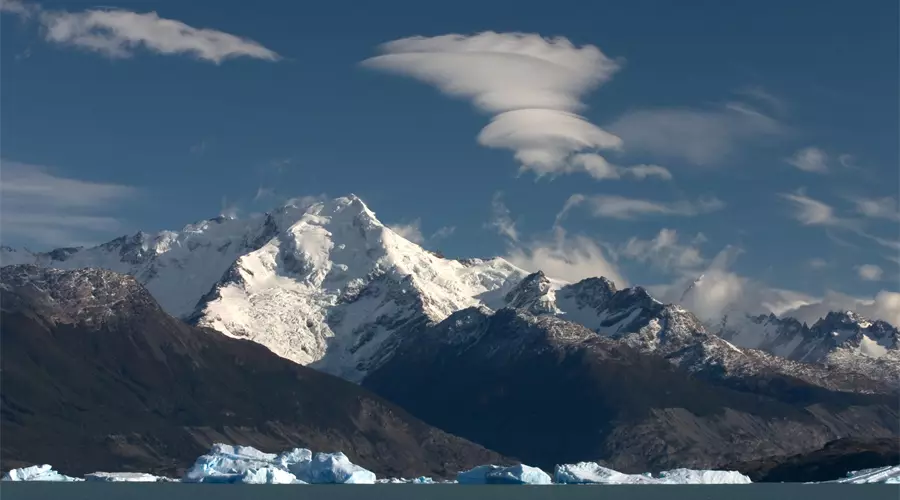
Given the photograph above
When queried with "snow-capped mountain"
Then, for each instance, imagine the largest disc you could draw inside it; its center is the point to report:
(337, 289)
(633, 317)
(328, 285)
(843, 340)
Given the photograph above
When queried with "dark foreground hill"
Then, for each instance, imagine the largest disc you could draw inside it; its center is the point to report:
(95, 376)
(831, 462)
(549, 391)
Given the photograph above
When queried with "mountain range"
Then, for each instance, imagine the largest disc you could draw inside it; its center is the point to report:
(526, 365)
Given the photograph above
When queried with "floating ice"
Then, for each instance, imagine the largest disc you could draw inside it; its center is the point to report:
(244, 464)
(888, 475)
(37, 473)
(418, 480)
(592, 473)
(478, 475)
(690, 476)
(227, 464)
(123, 477)
(494, 474)
(268, 475)
(329, 468)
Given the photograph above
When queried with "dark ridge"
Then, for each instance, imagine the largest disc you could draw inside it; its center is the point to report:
(833, 461)
(97, 377)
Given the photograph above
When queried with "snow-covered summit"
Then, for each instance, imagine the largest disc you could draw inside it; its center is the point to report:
(329, 285)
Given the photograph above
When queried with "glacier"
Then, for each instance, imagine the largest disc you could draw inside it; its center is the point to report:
(246, 465)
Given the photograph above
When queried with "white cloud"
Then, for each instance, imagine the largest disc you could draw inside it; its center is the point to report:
(818, 263)
(411, 231)
(532, 86)
(723, 292)
(116, 33)
(599, 168)
(763, 96)
(564, 257)
(884, 306)
(42, 208)
(25, 10)
(306, 201)
(869, 272)
(700, 137)
(811, 159)
(501, 220)
(664, 252)
(880, 208)
(811, 212)
(620, 207)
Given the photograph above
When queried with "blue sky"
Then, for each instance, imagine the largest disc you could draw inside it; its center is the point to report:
(752, 142)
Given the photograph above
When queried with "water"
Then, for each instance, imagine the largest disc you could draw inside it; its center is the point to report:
(176, 491)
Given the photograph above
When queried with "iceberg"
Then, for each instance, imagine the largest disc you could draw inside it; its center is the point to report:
(418, 480)
(495, 474)
(887, 475)
(296, 461)
(336, 468)
(123, 477)
(37, 473)
(227, 464)
(478, 475)
(690, 476)
(593, 473)
(244, 464)
(268, 475)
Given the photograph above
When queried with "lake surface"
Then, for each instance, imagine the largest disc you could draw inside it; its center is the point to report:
(177, 491)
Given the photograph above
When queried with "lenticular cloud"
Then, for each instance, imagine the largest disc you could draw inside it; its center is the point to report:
(532, 85)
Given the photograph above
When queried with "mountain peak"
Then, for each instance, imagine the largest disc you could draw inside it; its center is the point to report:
(533, 294)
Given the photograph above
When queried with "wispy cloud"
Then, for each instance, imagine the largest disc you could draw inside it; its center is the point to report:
(703, 137)
(812, 212)
(811, 159)
(620, 207)
(42, 208)
(818, 263)
(200, 148)
(599, 168)
(443, 232)
(877, 208)
(665, 252)
(501, 220)
(764, 97)
(411, 231)
(533, 86)
(116, 33)
(869, 272)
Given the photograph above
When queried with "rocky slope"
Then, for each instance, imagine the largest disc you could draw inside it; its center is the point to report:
(97, 377)
(550, 391)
